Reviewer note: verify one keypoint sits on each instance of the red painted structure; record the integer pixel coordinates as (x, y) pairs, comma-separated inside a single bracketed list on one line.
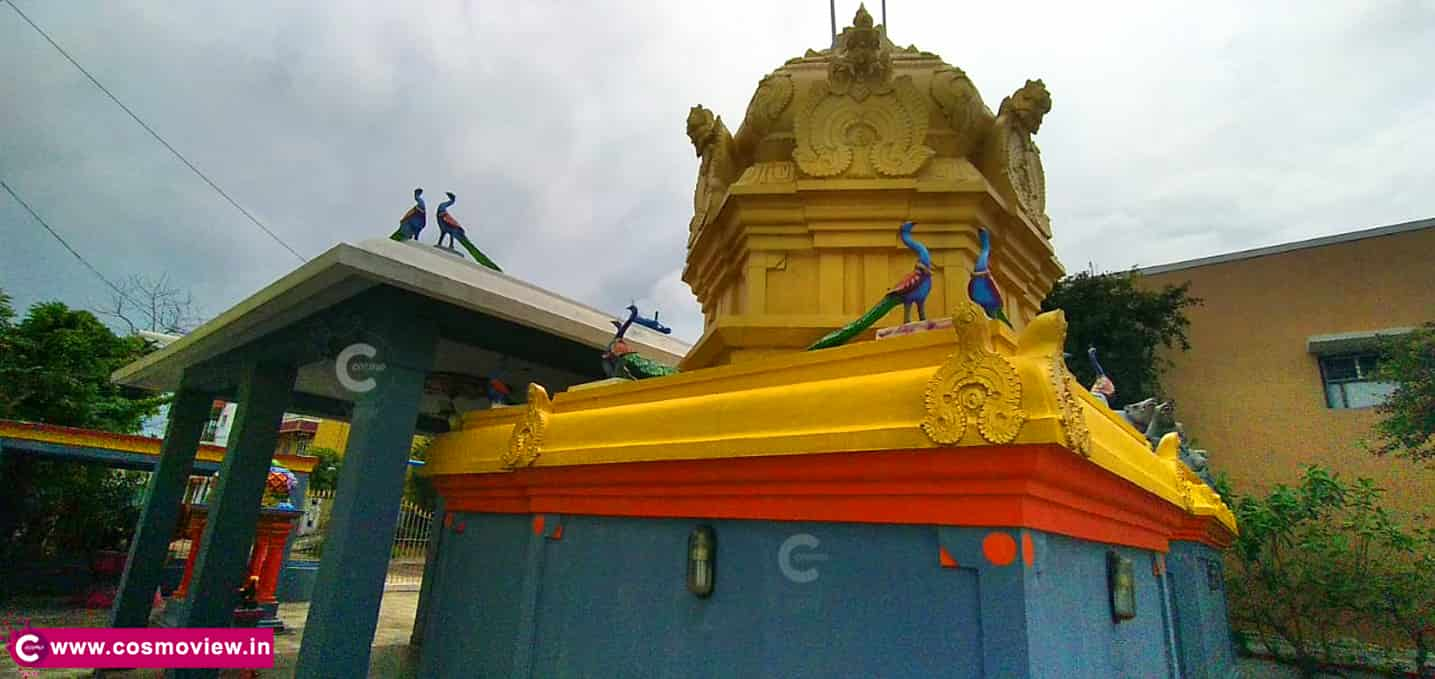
[(1042, 487), (266, 558)]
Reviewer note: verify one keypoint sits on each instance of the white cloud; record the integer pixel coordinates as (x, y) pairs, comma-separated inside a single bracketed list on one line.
[(1178, 130)]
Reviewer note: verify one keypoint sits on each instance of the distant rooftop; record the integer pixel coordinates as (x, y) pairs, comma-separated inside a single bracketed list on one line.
[(1323, 241)]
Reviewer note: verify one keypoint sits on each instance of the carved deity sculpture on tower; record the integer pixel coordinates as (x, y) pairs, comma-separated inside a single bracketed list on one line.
[(718, 170), (862, 120), (862, 64), (1012, 160)]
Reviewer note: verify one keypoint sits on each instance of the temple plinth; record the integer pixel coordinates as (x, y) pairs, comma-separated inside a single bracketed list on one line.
[(792, 232)]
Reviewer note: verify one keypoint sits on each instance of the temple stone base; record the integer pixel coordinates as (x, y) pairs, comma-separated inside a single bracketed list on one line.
[(564, 594)]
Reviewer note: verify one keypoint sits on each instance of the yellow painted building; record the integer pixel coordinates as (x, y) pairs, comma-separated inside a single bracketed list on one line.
[(1279, 370), (331, 434), (334, 435)]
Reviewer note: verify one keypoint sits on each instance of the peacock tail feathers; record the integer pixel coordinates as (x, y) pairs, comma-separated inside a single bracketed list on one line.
[(476, 254), (844, 334), (642, 368), (1000, 315)]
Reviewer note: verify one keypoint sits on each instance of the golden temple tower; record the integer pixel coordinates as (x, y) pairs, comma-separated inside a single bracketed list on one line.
[(794, 231)]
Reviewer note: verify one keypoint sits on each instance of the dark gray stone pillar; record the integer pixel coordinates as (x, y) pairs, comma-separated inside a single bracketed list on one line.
[(343, 613), (264, 393), (188, 413)]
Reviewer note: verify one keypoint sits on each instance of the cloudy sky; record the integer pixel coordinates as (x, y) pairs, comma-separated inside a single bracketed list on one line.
[(1179, 130)]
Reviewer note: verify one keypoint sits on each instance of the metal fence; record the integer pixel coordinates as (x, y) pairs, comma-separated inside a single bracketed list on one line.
[(406, 554)]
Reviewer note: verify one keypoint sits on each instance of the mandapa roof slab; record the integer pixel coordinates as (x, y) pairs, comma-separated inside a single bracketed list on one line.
[(346, 270)]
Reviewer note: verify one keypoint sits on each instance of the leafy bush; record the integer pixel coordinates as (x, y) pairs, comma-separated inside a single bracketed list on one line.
[(326, 471), (1127, 323), (1325, 558), (1407, 425), (74, 509)]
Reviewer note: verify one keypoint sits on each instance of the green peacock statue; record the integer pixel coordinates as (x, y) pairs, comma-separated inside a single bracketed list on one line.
[(911, 290)]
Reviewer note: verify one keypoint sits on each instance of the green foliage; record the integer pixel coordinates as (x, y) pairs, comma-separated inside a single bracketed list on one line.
[(7, 313), (1407, 424), (1126, 323), (55, 368), (326, 471), (1323, 558), (73, 509)]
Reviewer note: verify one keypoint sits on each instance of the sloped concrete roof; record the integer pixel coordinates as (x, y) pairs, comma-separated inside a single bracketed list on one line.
[(346, 270)]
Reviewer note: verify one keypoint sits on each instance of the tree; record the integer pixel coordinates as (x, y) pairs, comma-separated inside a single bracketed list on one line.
[(7, 313), (1407, 424), (1325, 558), (1127, 324), (74, 509), (56, 366), (326, 471), (142, 303)]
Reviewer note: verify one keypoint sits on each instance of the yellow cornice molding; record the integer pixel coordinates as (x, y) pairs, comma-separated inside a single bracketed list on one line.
[(902, 393)]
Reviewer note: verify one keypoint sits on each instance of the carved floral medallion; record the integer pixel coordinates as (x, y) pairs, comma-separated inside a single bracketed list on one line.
[(975, 387)]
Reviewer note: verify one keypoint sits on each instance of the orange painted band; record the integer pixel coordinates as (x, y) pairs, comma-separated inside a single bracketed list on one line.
[(1041, 487)]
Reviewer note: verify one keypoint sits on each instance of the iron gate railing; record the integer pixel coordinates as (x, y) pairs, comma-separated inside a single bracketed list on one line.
[(407, 553)]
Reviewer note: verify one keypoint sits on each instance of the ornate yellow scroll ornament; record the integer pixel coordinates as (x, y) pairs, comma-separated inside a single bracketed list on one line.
[(527, 438), (974, 386)]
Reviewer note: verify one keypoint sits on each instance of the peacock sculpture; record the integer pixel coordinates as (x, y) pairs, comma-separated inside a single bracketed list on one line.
[(413, 221), (448, 226), (652, 323), (982, 288), (1103, 388), (497, 391), (911, 290), (621, 361)]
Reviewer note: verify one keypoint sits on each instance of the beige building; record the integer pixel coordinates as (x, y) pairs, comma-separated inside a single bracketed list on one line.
[(1280, 371)]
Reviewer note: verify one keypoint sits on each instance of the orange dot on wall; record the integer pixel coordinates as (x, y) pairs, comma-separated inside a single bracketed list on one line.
[(538, 524), (1028, 552), (999, 548)]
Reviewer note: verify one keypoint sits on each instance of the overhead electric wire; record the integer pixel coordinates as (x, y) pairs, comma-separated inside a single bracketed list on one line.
[(58, 237), (154, 134)]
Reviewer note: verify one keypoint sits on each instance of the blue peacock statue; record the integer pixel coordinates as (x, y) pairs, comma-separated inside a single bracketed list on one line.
[(448, 226), (651, 323), (911, 290), (621, 361), (982, 288), (413, 221)]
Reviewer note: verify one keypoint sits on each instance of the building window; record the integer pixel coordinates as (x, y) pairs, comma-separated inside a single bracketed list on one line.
[(1350, 381), (301, 446)]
